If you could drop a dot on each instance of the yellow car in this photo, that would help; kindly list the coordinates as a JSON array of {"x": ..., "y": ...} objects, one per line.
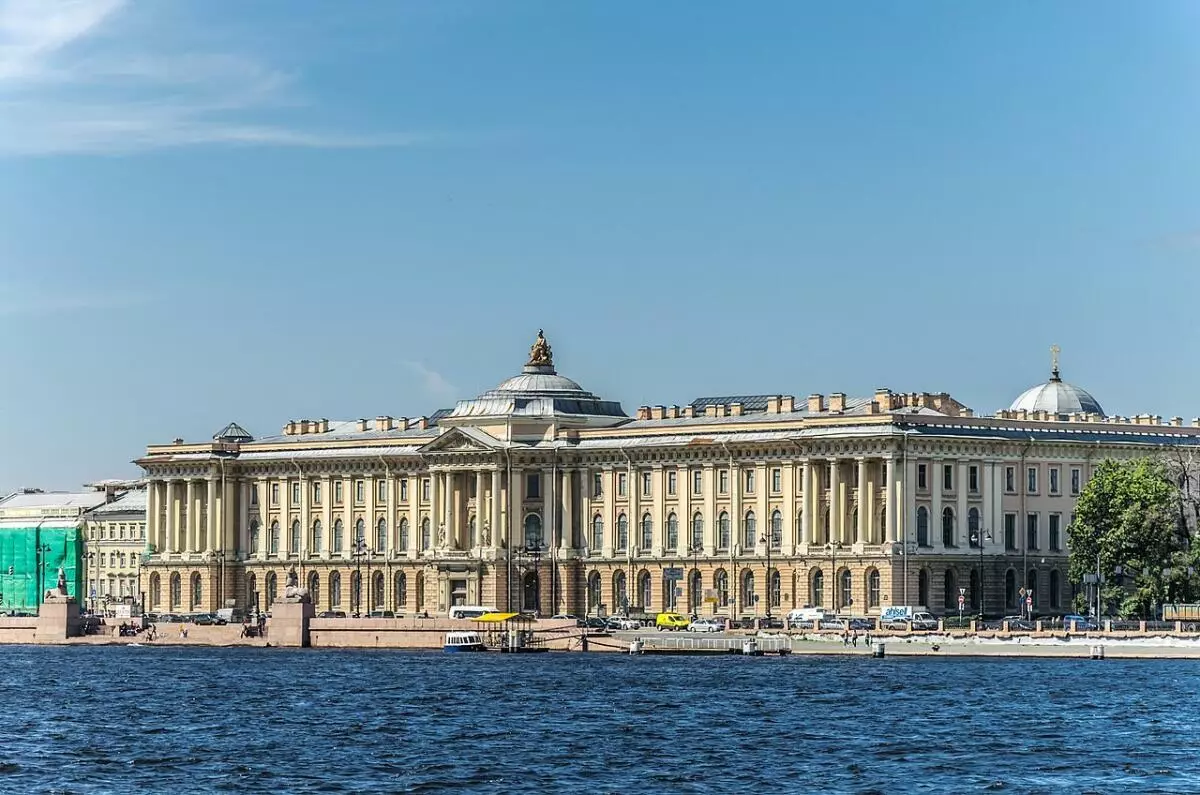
[{"x": 671, "y": 621}]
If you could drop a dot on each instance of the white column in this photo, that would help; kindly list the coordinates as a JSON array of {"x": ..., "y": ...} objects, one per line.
[
  {"x": 710, "y": 512},
  {"x": 836, "y": 513},
  {"x": 516, "y": 522},
  {"x": 935, "y": 519},
  {"x": 495, "y": 506},
  {"x": 789, "y": 509},
  {"x": 152, "y": 523},
  {"x": 414, "y": 517},
  {"x": 961, "y": 486},
  {"x": 548, "y": 491},
  {"x": 189, "y": 533},
  {"x": 170, "y": 520},
  {"x": 658, "y": 496},
  {"x": 864, "y": 502},
  {"x": 568, "y": 510},
  {"x": 763, "y": 508},
  {"x": 908, "y": 530},
  {"x": 890, "y": 500},
  {"x": 435, "y": 515},
  {"x": 807, "y": 509},
  {"x": 997, "y": 485}
]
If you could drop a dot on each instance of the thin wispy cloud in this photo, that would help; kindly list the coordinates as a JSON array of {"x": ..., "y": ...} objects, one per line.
[
  {"x": 434, "y": 383},
  {"x": 34, "y": 301},
  {"x": 82, "y": 76}
]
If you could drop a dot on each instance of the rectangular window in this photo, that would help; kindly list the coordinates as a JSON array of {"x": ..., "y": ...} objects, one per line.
[
  {"x": 749, "y": 481},
  {"x": 274, "y": 493},
  {"x": 622, "y": 484},
  {"x": 1010, "y": 531},
  {"x": 672, "y": 482},
  {"x": 723, "y": 482},
  {"x": 646, "y": 484},
  {"x": 1054, "y": 480},
  {"x": 776, "y": 480},
  {"x": 338, "y": 496},
  {"x": 1031, "y": 486},
  {"x": 1010, "y": 480},
  {"x": 425, "y": 489},
  {"x": 404, "y": 490},
  {"x": 1032, "y": 528},
  {"x": 922, "y": 481},
  {"x": 360, "y": 492},
  {"x": 381, "y": 491},
  {"x": 597, "y": 485},
  {"x": 533, "y": 485},
  {"x": 254, "y": 495},
  {"x": 316, "y": 493},
  {"x": 973, "y": 478},
  {"x": 947, "y": 477},
  {"x": 1055, "y": 541},
  {"x": 1075, "y": 481},
  {"x": 697, "y": 482},
  {"x": 295, "y": 494}
]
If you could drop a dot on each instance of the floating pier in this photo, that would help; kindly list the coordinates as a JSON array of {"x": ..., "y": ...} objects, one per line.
[{"x": 690, "y": 644}]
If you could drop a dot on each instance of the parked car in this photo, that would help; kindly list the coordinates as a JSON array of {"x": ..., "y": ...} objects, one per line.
[
  {"x": 862, "y": 623},
  {"x": 1019, "y": 624},
  {"x": 596, "y": 623},
  {"x": 382, "y": 614},
  {"x": 707, "y": 625},
  {"x": 564, "y": 617},
  {"x": 619, "y": 623},
  {"x": 1082, "y": 624}
]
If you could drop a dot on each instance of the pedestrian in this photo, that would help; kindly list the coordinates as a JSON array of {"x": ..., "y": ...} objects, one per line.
[{"x": 854, "y": 640}]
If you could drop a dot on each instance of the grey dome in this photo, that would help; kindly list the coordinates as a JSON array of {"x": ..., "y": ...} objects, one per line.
[
  {"x": 1057, "y": 397},
  {"x": 540, "y": 380}
]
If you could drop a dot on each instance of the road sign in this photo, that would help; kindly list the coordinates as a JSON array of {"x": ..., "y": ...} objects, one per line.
[
  {"x": 673, "y": 574},
  {"x": 1029, "y": 601},
  {"x": 961, "y": 601}
]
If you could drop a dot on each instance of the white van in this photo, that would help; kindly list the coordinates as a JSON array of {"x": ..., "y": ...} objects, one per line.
[
  {"x": 811, "y": 614},
  {"x": 231, "y": 615},
  {"x": 470, "y": 611}
]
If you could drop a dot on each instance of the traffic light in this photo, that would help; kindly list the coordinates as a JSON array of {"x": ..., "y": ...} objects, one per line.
[{"x": 11, "y": 570}]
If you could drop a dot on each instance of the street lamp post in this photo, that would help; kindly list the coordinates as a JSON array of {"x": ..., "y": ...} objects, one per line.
[
  {"x": 766, "y": 540},
  {"x": 43, "y": 550},
  {"x": 695, "y": 550},
  {"x": 978, "y": 538},
  {"x": 360, "y": 549},
  {"x": 524, "y": 554},
  {"x": 833, "y": 550}
]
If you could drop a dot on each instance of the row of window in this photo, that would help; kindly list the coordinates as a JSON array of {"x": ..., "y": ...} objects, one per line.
[
  {"x": 116, "y": 560},
  {"x": 750, "y": 536},
  {"x": 1032, "y": 473},
  {"x": 749, "y": 482},
  {"x": 195, "y": 591},
  {"x": 1012, "y": 594},
  {"x": 976, "y": 537},
  {"x": 121, "y": 532},
  {"x": 360, "y": 492}
]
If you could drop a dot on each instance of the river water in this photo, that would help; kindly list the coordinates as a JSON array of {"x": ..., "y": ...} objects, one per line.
[{"x": 130, "y": 719}]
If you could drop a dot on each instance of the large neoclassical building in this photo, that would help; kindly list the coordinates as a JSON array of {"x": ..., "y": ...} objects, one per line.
[{"x": 540, "y": 495}]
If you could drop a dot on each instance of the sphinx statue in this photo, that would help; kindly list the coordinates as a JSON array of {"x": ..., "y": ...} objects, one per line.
[{"x": 292, "y": 592}]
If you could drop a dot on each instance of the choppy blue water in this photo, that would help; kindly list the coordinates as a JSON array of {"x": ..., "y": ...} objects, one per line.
[{"x": 120, "y": 719}]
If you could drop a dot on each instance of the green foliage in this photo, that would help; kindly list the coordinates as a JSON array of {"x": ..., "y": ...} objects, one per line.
[{"x": 1127, "y": 517}]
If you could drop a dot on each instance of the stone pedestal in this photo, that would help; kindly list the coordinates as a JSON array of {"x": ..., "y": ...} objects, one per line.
[
  {"x": 58, "y": 619},
  {"x": 289, "y": 623}
]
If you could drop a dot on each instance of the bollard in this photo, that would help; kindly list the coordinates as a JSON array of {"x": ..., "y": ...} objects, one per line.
[
  {"x": 750, "y": 648},
  {"x": 1097, "y": 652},
  {"x": 877, "y": 652},
  {"x": 636, "y": 646}
]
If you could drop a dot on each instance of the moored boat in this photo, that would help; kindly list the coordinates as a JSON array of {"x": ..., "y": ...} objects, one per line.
[{"x": 463, "y": 641}]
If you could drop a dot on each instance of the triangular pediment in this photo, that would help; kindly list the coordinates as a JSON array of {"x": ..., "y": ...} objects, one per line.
[{"x": 463, "y": 440}]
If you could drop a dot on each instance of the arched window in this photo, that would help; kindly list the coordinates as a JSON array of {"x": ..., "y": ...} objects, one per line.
[
  {"x": 647, "y": 532},
  {"x": 776, "y": 530},
  {"x": 593, "y": 591},
  {"x": 472, "y": 534},
  {"x": 672, "y": 532},
  {"x": 376, "y": 591},
  {"x": 622, "y": 533},
  {"x": 949, "y": 590},
  {"x": 255, "y": 536},
  {"x": 723, "y": 531},
  {"x": 697, "y": 531},
  {"x": 400, "y": 591},
  {"x": 381, "y": 535},
  {"x": 176, "y": 591},
  {"x": 721, "y": 586},
  {"x": 274, "y": 550},
  {"x": 873, "y": 588},
  {"x": 339, "y": 537},
  {"x": 817, "y": 589},
  {"x": 251, "y": 588},
  {"x": 922, "y": 527},
  {"x": 973, "y": 537},
  {"x": 335, "y": 589},
  {"x": 774, "y": 588},
  {"x": 620, "y": 595},
  {"x": 360, "y": 536},
  {"x": 426, "y": 534},
  {"x": 695, "y": 590},
  {"x": 533, "y": 531},
  {"x": 295, "y": 539},
  {"x": 197, "y": 591},
  {"x": 404, "y": 533},
  {"x": 155, "y": 589},
  {"x": 272, "y": 589},
  {"x": 748, "y": 602},
  {"x": 846, "y": 583},
  {"x": 948, "y": 539},
  {"x": 923, "y": 588},
  {"x": 643, "y": 593},
  {"x": 1010, "y": 589},
  {"x": 315, "y": 543},
  {"x": 314, "y": 587},
  {"x": 750, "y": 531},
  {"x": 597, "y": 534},
  {"x": 1055, "y": 586}
]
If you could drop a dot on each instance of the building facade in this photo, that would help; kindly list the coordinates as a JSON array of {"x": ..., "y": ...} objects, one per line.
[
  {"x": 114, "y": 542},
  {"x": 540, "y": 495},
  {"x": 40, "y": 533}
]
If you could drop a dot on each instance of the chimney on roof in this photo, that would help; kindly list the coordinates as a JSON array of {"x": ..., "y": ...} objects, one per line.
[
  {"x": 420, "y": 424},
  {"x": 735, "y": 409},
  {"x": 383, "y": 423},
  {"x": 689, "y": 410},
  {"x": 362, "y": 425},
  {"x": 787, "y": 404},
  {"x": 1177, "y": 422},
  {"x": 773, "y": 404},
  {"x": 710, "y": 410},
  {"x": 816, "y": 403},
  {"x": 673, "y": 412},
  {"x": 290, "y": 428},
  {"x": 643, "y": 412},
  {"x": 837, "y": 402},
  {"x": 658, "y": 412},
  {"x": 323, "y": 425},
  {"x": 883, "y": 396},
  {"x": 178, "y": 440},
  {"x": 873, "y": 407}
]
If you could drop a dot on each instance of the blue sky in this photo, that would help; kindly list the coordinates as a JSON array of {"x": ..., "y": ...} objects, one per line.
[{"x": 215, "y": 211}]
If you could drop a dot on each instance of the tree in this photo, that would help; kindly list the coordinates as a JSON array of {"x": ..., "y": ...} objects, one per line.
[{"x": 1127, "y": 520}]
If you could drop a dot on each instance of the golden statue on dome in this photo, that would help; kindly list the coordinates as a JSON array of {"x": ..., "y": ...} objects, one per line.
[{"x": 539, "y": 353}]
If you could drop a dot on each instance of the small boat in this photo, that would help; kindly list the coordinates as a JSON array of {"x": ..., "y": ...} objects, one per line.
[{"x": 463, "y": 641}]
